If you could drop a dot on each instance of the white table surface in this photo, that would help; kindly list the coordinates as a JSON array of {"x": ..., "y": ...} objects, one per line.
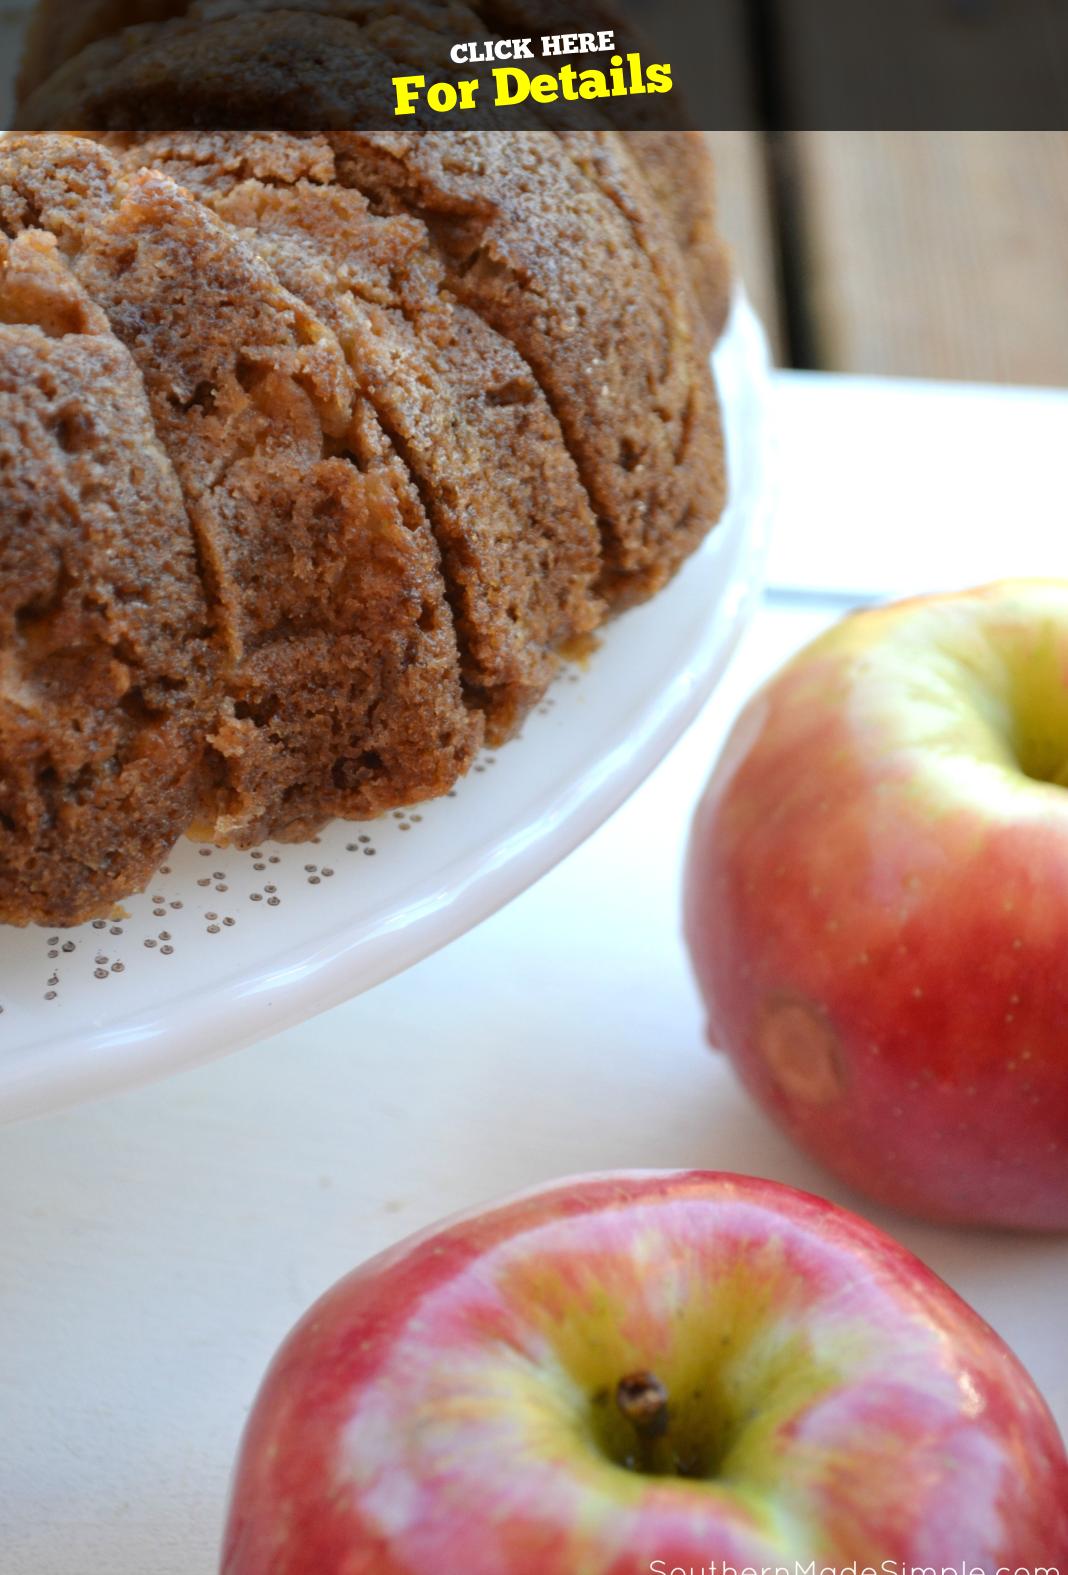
[{"x": 155, "y": 1248}]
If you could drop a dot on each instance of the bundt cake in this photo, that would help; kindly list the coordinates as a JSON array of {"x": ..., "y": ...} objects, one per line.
[{"x": 318, "y": 453}]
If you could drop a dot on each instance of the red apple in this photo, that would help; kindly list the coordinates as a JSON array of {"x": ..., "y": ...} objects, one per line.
[
  {"x": 877, "y": 903},
  {"x": 627, "y": 1374}
]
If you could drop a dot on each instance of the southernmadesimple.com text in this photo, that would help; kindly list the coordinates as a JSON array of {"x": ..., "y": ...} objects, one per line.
[{"x": 813, "y": 1567}]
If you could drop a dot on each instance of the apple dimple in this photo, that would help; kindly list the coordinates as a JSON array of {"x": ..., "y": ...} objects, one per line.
[{"x": 801, "y": 1051}]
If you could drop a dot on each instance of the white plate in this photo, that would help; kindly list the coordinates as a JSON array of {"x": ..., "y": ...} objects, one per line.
[{"x": 227, "y": 947}]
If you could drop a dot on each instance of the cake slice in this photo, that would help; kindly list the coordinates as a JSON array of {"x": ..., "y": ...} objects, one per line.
[
  {"x": 341, "y": 690},
  {"x": 519, "y": 543},
  {"x": 547, "y": 257},
  {"x": 692, "y": 485},
  {"x": 106, "y": 664},
  {"x": 679, "y": 169}
]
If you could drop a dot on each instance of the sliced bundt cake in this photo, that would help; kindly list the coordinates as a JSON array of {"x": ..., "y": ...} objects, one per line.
[{"x": 320, "y": 451}]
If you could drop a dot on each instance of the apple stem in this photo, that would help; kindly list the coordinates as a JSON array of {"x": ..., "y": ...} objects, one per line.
[{"x": 643, "y": 1401}]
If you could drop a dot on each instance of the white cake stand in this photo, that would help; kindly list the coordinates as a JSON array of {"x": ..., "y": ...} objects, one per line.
[{"x": 225, "y": 948}]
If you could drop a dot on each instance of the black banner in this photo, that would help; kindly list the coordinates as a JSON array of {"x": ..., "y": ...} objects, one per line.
[{"x": 543, "y": 64}]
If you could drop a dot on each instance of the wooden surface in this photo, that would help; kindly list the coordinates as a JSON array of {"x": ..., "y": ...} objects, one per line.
[
  {"x": 915, "y": 254},
  {"x": 939, "y": 254}
]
